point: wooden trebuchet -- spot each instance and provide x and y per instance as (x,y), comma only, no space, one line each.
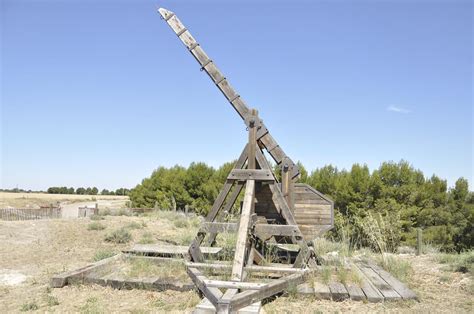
(271,212)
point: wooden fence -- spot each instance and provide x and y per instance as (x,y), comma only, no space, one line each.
(29,213)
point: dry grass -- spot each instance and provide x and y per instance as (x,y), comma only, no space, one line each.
(38,249)
(140,268)
(35,200)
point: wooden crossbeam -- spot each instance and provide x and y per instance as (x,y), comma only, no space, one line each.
(248,297)
(251,174)
(212,294)
(238,186)
(250,269)
(194,250)
(234,284)
(278,230)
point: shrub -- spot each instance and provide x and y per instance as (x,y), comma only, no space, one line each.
(97,217)
(29,306)
(118,236)
(105,212)
(462,262)
(123,212)
(181,223)
(95,226)
(147,238)
(326,274)
(52,300)
(102,254)
(91,306)
(398,267)
(135,225)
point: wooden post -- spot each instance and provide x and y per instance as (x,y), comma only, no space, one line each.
(241,245)
(248,206)
(287,185)
(419,241)
(252,139)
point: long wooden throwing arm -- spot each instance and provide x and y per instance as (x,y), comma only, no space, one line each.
(263,136)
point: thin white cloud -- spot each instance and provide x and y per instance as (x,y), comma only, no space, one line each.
(398,109)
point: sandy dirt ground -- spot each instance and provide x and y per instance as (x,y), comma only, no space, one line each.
(32,251)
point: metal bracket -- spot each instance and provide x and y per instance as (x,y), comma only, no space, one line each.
(231,101)
(181,32)
(194,45)
(169,17)
(205,63)
(220,81)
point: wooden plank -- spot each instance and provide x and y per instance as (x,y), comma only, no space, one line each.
(242,234)
(355,292)
(321,291)
(395,284)
(370,291)
(60,280)
(280,230)
(255,268)
(212,294)
(315,222)
(234,284)
(206,307)
(223,305)
(338,291)
(251,174)
(310,201)
(379,283)
(312,206)
(168,249)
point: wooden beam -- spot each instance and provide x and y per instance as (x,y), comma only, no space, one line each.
(211,293)
(248,297)
(279,230)
(227,186)
(286,184)
(194,248)
(242,234)
(234,284)
(250,269)
(251,174)
(227,207)
(60,280)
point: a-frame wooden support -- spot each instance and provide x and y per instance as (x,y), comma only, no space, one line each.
(250,169)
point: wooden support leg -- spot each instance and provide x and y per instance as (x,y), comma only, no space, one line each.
(242,235)
(194,249)
(227,207)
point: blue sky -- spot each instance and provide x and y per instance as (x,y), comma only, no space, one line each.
(102,92)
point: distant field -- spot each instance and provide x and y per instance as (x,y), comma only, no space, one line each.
(8,199)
